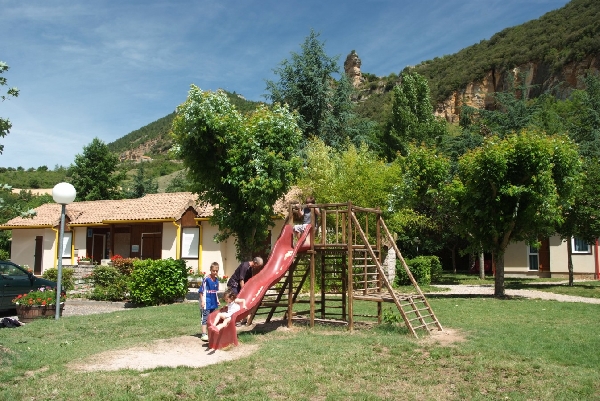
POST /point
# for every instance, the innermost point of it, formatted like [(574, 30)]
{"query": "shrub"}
[(155, 282), (104, 275), (68, 281), (423, 269), (124, 265), (109, 284), (116, 291)]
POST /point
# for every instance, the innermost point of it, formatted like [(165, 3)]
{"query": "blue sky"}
[(104, 68)]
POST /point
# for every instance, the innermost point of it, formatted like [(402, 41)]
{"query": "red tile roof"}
[(162, 206)]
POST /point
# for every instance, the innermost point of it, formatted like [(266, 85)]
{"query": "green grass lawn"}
[(510, 349)]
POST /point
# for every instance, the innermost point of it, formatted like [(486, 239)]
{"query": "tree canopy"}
[(515, 189), (307, 85), (240, 164), (411, 119), (5, 124), (94, 173)]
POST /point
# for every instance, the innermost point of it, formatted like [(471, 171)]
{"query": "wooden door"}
[(98, 248), (37, 256), (151, 246)]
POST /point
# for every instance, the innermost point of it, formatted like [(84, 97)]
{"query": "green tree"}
[(243, 164), (584, 124), (95, 175), (179, 183), (420, 216), (142, 184), (515, 189), (306, 84), (350, 174), (412, 119), (582, 218), (5, 124)]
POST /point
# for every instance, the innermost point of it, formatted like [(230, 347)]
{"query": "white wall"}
[(516, 260), (212, 251), (79, 243), (23, 247), (169, 241), (559, 264)]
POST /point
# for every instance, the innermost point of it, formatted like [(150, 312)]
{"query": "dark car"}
[(15, 280)]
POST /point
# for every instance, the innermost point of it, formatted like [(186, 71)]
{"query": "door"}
[(151, 246), (37, 256), (13, 281), (98, 246)]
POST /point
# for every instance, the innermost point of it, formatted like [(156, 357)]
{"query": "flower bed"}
[(40, 303)]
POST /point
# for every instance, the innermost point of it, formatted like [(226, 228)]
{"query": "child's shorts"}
[(205, 313)]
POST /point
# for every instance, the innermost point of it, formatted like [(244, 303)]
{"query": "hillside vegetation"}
[(158, 131), (555, 39), (559, 37)]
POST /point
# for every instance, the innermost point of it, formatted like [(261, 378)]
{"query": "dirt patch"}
[(179, 351), (445, 338)]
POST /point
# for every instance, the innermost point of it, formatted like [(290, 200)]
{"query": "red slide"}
[(279, 262)]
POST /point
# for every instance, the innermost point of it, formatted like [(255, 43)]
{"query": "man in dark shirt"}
[(242, 274)]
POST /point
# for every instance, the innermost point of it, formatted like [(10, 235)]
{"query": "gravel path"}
[(488, 289)]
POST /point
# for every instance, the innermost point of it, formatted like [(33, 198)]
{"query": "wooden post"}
[(322, 285), (349, 243), (311, 235)]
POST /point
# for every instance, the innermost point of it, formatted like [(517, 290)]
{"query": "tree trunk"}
[(499, 279), (481, 266), (570, 261), (453, 250)]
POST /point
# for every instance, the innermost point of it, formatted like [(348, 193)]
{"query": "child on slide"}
[(233, 305)]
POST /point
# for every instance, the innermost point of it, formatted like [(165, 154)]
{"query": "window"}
[(66, 251), (579, 246), (189, 242), (534, 258)]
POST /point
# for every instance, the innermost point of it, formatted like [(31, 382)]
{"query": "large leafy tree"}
[(515, 189), (307, 85), (420, 216), (582, 118), (5, 124), (412, 119), (582, 218), (352, 174), (95, 175), (584, 124), (240, 164)]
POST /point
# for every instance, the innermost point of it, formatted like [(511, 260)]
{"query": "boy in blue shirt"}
[(208, 297)]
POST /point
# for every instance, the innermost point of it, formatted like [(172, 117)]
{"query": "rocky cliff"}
[(539, 78)]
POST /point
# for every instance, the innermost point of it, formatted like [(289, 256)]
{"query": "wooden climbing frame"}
[(345, 255)]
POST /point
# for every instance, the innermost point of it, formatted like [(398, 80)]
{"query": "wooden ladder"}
[(412, 308)]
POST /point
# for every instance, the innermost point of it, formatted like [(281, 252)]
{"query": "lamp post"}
[(62, 193)]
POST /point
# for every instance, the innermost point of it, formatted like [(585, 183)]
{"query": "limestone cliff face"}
[(540, 78)]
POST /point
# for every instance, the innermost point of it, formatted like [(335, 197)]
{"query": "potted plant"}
[(84, 260), (195, 279), (223, 283), (40, 303)]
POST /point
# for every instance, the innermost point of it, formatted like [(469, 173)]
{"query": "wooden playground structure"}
[(345, 254)]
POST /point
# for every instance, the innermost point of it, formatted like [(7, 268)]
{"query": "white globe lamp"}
[(63, 194)]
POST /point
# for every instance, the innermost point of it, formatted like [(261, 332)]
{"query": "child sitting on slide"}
[(233, 305)]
